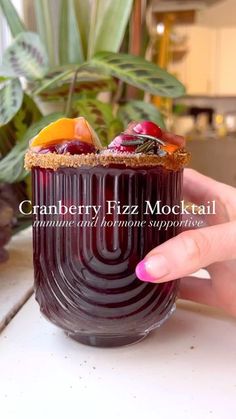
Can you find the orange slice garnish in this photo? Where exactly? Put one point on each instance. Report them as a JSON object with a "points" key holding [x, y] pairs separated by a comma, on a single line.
{"points": [[66, 129], [170, 148]]}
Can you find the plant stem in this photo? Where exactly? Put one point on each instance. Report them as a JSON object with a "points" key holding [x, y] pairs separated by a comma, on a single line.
{"points": [[70, 95], [135, 40], [117, 94]]}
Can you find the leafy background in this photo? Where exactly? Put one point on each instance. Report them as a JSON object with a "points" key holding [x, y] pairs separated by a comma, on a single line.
{"points": [[72, 73]]}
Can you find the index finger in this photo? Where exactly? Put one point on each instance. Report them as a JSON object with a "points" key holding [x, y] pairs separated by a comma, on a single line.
{"points": [[188, 252]]}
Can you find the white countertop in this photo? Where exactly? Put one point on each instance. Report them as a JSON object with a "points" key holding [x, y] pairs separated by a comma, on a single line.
{"points": [[16, 277], [186, 369]]}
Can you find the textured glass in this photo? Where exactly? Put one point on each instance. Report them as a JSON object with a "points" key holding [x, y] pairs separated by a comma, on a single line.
{"points": [[85, 276]]}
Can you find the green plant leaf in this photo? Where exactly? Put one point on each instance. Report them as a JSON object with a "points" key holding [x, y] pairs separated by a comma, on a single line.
{"points": [[6, 73], [83, 88], [138, 72], [100, 116], [51, 80], [136, 110], [45, 27], [11, 96], [27, 115], [56, 84], [26, 56], [83, 11], [15, 129], [14, 22], [115, 128], [12, 166], [108, 25], [70, 45]]}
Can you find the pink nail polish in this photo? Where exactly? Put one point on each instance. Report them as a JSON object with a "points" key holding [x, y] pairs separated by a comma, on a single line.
{"points": [[153, 268], [142, 273]]}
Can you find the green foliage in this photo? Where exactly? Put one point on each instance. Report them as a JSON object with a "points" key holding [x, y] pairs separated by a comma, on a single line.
{"points": [[26, 57], [70, 44], [45, 27], [138, 72], [14, 22], [14, 130], [100, 116], [86, 28], [83, 12], [12, 166], [56, 84], [27, 115], [109, 20], [136, 110], [11, 96]]}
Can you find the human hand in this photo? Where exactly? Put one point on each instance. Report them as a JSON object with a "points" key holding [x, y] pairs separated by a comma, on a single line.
{"points": [[212, 247]]}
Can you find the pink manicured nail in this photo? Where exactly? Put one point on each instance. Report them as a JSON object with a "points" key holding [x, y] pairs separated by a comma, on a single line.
{"points": [[142, 274], [152, 269]]}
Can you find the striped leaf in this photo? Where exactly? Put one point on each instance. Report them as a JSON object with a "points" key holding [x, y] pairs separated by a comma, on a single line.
{"points": [[57, 83], [83, 88], [136, 110], [26, 57], [101, 118], [16, 128], [138, 72], [11, 97], [12, 166]]}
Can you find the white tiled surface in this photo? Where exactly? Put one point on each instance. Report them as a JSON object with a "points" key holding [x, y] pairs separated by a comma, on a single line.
{"points": [[186, 369], [16, 276]]}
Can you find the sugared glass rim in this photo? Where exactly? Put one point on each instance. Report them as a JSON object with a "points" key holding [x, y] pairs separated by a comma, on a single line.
{"points": [[172, 161]]}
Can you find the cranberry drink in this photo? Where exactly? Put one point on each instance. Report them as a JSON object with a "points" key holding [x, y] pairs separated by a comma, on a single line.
{"points": [[98, 214]]}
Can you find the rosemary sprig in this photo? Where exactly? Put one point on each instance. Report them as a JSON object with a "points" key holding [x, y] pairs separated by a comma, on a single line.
{"points": [[145, 137], [145, 143], [146, 147]]}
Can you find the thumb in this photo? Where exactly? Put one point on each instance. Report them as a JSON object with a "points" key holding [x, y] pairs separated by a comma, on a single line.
{"points": [[188, 252]]}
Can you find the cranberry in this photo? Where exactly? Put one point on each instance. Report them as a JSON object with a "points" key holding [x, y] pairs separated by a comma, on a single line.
{"points": [[145, 128], [72, 147], [49, 149], [117, 145], [75, 147]]}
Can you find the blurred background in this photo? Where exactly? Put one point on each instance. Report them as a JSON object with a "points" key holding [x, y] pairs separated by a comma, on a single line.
{"points": [[170, 61]]}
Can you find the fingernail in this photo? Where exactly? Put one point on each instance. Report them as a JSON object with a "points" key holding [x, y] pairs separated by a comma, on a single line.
{"points": [[152, 269]]}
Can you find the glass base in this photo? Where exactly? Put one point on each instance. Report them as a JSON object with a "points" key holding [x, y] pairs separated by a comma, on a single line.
{"points": [[106, 341], [114, 340]]}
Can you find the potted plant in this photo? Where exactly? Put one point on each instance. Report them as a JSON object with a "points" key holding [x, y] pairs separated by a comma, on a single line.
{"points": [[85, 63]]}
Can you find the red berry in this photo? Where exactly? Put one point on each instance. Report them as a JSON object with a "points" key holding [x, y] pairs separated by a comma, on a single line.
{"points": [[50, 149], [146, 128], [71, 146], [117, 145], [75, 147]]}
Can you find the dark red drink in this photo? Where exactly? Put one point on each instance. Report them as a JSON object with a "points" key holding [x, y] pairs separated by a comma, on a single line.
{"points": [[85, 276], [98, 215]]}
